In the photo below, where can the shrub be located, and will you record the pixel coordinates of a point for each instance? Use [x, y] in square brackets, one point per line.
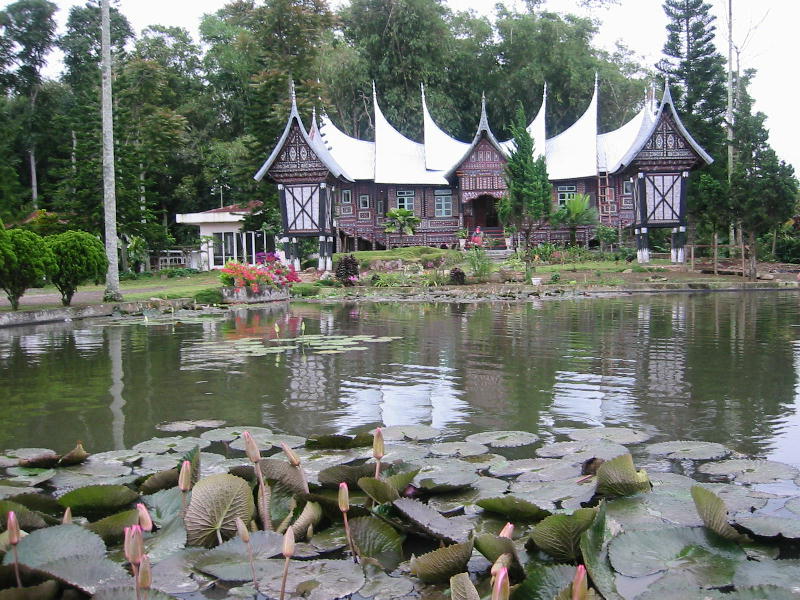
[208, 296]
[171, 272]
[26, 260]
[304, 290]
[555, 277]
[479, 262]
[390, 280]
[545, 251]
[272, 275]
[457, 276]
[347, 270]
[79, 257]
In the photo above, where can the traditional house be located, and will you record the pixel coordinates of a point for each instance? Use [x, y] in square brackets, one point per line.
[336, 187]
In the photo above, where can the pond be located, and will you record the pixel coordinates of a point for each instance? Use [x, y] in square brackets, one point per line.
[716, 367]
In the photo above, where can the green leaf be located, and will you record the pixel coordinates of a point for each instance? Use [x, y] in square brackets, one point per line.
[714, 513]
[749, 470]
[461, 588]
[216, 502]
[164, 505]
[430, 522]
[559, 535]
[312, 579]
[333, 476]
[618, 477]
[782, 573]
[378, 540]
[44, 591]
[594, 551]
[112, 529]
[27, 518]
[400, 481]
[98, 500]
[128, 593]
[309, 517]
[167, 540]
[379, 490]
[162, 480]
[230, 561]
[544, 582]
[618, 435]
[493, 547]
[689, 450]
[768, 526]
[284, 473]
[441, 564]
[410, 432]
[503, 439]
[513, 508]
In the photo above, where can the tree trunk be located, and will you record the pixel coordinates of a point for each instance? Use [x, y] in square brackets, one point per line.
[753, 257]
[774, 242]
[112, 292]
[34, 180]
[716, 252]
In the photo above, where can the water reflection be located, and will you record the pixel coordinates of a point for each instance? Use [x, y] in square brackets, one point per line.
[717, 367]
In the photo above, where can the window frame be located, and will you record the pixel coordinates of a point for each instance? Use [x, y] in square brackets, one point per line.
[407, 198]
[443, 203]
[347, 196]
[564, 193]
[362, 205]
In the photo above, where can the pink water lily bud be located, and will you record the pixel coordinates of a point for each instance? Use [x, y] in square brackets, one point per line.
[12, 526]
[133, 545]
[185, 477]
[500, 590]
[145, 522]
[67, 518]
[288, 543]
[291, 455]
[242, 530]
[580, 586]
[507, 531]
[344, 497]
[144, 578]
[251, 447]
[378, 450]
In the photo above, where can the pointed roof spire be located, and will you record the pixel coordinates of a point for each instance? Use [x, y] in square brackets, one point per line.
[293, 94]
[483, 129]
[483, 125]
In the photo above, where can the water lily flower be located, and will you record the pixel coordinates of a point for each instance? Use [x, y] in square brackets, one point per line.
[145, 522]
[67, 518]
[251, 448]
[344, 497]
[507, 531]
[291, 455]
[12, 526]
[185, 477]
[144, 579]
[242, 530]
[133, 545]
[500, 590]
[288, 543]
[378, 449]
[580, 586]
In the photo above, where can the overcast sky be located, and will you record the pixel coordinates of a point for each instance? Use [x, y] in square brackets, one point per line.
[765, 29]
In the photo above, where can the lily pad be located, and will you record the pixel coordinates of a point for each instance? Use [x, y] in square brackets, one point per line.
[514, 508]
[618, 477]
[333, 476]
[782, 573]
[95, 500]
[180, 445]
[594, 551]
[49, 590]
[128, 593]
[410, 432]
[503, 439]
[794, 505]
[578, 451]
[27, 518]
[166, 541]
[550, 469]
[458, 449]
[29, 475]
[441, 477]
[698, 554]
[568, 494]
[217, 500]
[560, 535]
[689, 450]
[768, 526]
[228, 434]
[430, 522]
[544, 582]
[230, 561]
[746, 471]
[714, 513]
[377, 540]
[484, 487]
[619, 435]
[379, 490]
[441, 564]
[381, 586]
[272, 440]
[312, 579]
[282, 472]
[112, 529]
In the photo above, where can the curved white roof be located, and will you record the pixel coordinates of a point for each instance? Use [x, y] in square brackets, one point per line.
[399, 159]
[614, 145]
[441, 150]
[357, 157]
[573, 153]
[536, 129]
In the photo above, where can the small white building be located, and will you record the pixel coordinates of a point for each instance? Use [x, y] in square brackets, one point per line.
[221, 238]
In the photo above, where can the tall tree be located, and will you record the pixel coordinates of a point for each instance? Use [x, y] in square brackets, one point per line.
[30, 29]
[112, 292]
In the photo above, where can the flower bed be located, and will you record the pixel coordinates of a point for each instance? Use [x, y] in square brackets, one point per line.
[265, 282]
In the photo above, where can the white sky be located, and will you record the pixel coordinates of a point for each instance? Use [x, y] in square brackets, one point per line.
[765, 29]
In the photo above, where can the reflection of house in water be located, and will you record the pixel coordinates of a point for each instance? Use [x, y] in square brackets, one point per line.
[662, 362]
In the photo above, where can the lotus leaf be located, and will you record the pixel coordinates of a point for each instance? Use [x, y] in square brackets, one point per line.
[29, 475]
[410, 432]
[619, 435]
[171, 444]
[228, 434]
[312, 579]
[749, 471]
[514, 508]
[594, 551]
[458, 449]
[441, 564]
[768, 526]
[98, 499]
[618, 477]
[714, 513]
[782, 573]
[503, 439]
[559, 535]
[377, 540]
[70, 554]
[689, 450]
[230, 562]
[696, 553]
[49, 590]
[430, 522]
[216, 502]
[544, 582]
[112, 529]
[379, 490]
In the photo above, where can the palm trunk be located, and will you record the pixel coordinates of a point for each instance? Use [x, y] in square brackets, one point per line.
[34, 180]
[112, 292]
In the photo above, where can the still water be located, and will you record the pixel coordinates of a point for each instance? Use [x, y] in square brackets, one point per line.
[715, 367]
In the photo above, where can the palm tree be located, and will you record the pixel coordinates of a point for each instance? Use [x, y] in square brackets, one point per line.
[402, 221]
[575, 212]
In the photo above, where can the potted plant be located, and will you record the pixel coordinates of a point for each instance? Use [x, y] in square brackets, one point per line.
[462, 234]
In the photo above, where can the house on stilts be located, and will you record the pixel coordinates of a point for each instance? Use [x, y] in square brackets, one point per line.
[338, 189]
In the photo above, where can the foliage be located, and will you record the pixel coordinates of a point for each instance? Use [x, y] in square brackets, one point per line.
[479, 262]
[347, 270]
[575, 213]
[606, 235]
[390, 280]
[406, 254]
[27, 264]
[79, 257]
[402, 222]
[208, 296]
[305, 290]
[272, 274]
[555, 277]
[457, 276]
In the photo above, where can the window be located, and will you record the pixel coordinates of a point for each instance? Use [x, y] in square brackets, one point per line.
[363, 201]
[347, 196]
[565, 192]
[405, 199]
[379, 207]
[627, 187]
[444, 203]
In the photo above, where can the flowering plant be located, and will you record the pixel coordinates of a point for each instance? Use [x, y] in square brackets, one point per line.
[272, 274]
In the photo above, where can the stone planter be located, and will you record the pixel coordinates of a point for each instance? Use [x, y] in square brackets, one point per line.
[245, 295]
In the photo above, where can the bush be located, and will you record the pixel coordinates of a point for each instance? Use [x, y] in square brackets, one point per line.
[555, 277]
[305, 290]
[208, 296]
[390, 280]
[25, 260]
[329, 283]
[273, 274]
[347, 270]
[479, 262]
[171, 272]
[79, 257]
[457, 277]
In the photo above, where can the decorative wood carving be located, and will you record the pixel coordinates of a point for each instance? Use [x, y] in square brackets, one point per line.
[297, 162]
